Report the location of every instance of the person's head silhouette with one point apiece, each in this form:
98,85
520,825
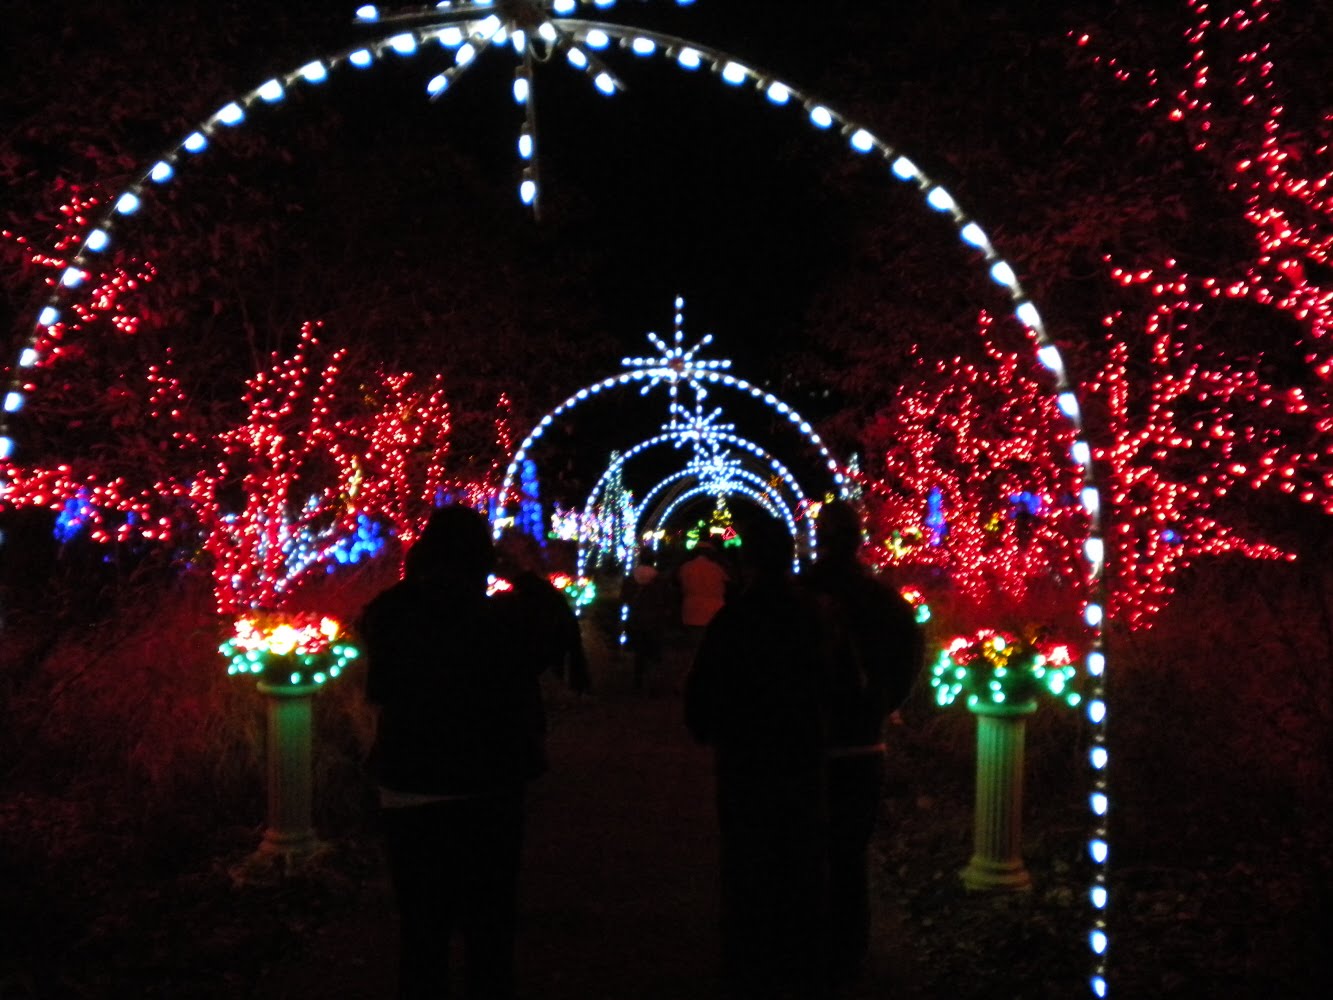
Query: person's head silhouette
838,530
454,549
767,547
517,552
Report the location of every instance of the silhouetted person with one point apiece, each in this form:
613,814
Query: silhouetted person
555,627
451,674
756,694
885,645
647,593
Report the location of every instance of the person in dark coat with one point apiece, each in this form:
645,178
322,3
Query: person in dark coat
451,675
757,693
559,641
880,634
647,594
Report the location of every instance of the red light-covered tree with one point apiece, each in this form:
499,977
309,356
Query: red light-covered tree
977,489
1276,166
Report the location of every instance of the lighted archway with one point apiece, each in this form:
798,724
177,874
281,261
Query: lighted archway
469,26
734,489
677,482
743,481
677,366
778,469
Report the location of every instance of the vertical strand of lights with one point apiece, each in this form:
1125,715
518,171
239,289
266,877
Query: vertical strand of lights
525,96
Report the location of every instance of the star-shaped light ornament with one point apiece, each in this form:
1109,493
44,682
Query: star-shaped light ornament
536,30
717,472
675,364
694,425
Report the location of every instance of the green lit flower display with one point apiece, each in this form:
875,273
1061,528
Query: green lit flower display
991,667
288,649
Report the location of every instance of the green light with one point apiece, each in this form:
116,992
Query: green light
302,661
990,667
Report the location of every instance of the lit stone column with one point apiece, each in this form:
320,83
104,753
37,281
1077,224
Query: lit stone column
290,832
997,861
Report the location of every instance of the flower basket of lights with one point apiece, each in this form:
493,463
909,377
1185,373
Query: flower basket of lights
1001,678
995,669
292,654
286,649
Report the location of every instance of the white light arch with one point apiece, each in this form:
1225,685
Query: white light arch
650,376
772,505
745,481
740,475
467,36
677,437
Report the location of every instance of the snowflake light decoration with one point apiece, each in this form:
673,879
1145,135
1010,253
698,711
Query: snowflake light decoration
716,471
537,30
675,363
695,425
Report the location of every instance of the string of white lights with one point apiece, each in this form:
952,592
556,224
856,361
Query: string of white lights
753,488
716,487
776,467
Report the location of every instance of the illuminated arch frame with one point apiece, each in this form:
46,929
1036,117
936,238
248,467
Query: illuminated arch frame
768,503
733,489
692,57
744,481
747,476
802,425
678,437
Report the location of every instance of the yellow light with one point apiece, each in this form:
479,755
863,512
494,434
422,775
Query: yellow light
282,640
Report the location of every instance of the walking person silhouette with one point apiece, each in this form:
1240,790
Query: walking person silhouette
457,739
884,648
757,694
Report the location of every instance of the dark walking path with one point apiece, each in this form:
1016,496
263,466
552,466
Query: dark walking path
619,886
